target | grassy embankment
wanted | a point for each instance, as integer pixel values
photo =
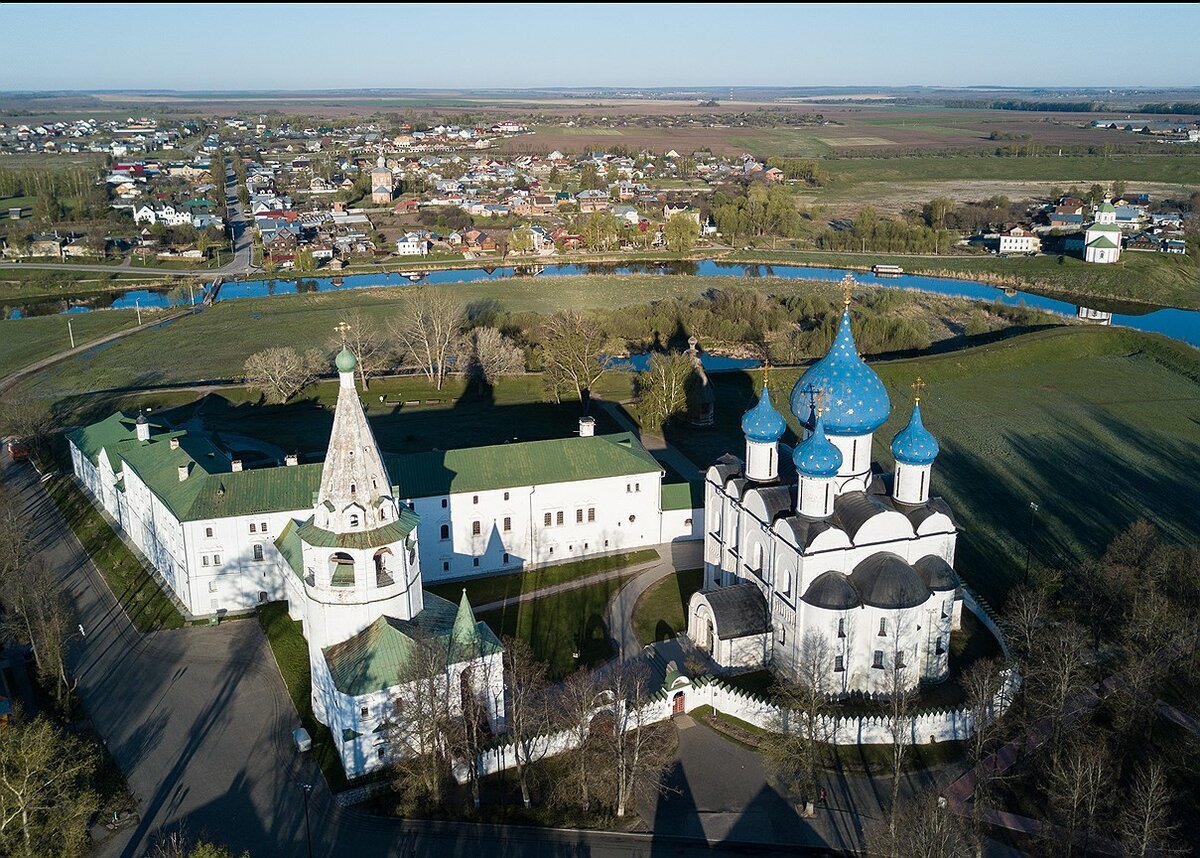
(136, 591)
(25, 341)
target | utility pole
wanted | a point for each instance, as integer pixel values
(1033, 508)
(138, 306)
(306, 789)
(71, 333)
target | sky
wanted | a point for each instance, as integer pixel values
(505, 45)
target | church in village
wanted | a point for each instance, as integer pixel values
(350, 541)
(817, 566)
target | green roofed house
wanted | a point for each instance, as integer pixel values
(349, 542)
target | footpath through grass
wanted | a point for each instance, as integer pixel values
(661, 612)
(291, 655)
(494, 588)
(25, 341)
(138, 593)
(566, 630)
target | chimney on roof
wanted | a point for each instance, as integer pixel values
(587, 426)
(291, 459)
(183, 472)
(142, 427)
(235, 465)
(174, 443)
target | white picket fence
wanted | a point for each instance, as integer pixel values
(924, 726)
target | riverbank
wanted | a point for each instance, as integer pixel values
(1140, 282)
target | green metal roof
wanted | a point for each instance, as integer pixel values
(1103, 242)
(290, 546)
(379, 656)
(213, 490)
(389, 533)
(682, 496)
(1103, 227)
(531, 463)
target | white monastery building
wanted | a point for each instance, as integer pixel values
(815, 562)
(350, 542)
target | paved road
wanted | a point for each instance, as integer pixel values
(239, 226)
(675, 558)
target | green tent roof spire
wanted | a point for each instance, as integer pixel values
(464, 636)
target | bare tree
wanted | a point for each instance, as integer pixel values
(1145, 821)
(663, 388)
(981, 683)
(1077, 782)
(25, 418)
(900, 696)
(1058, 672)
(280, 372)
(572, 352)
(528, 708)
(45, 794)
(428, 329)
(799, 733)
(419, 736)
(639, 748)
(486, 354)
(359, 333)
(927, 829)
(575, 704)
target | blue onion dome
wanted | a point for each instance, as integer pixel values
(856, 402)
(914, 445)
(345, 360)
(816, 455)
(763, 423)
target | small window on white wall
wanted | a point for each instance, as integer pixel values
(258, 552)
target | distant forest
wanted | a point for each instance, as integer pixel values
(1164, 107)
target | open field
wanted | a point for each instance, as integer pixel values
(200, 347)
(24, 341)
(1100, 427)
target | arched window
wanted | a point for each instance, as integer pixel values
(341, 570)
(383, 575)
(445, 531)
(354, 521)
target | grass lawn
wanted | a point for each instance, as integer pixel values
(136, 591)
(493, 588)
(561, 625)
(1164, 279)
(660, 612)
(291, 655)
(1098, 426)
(24, 341)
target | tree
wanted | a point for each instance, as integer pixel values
(1096, 194)
(981, 684)
(280, 372)
(485, 354)
(575, 704)
(359, 333)
(1079, 779)
(798, 736)
(600, 230)
(176, 845)
(681, 232)
(26, 418)
(428, 330)
(1145, 820)
(521, 240)
(1118, 188)
(419, 739)
(637, 749)
(46, 799)
(589, 178)
(572, 352)
(528, 708)
(928, 829)
(304, 262)
(662, 388)
(936, 211)
(900, 696)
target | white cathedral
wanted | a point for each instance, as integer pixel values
(814, 562)
(349, 542)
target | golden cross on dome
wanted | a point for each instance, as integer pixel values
(917, 387)
(341, 327)
(848, 285)
(819, 400)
